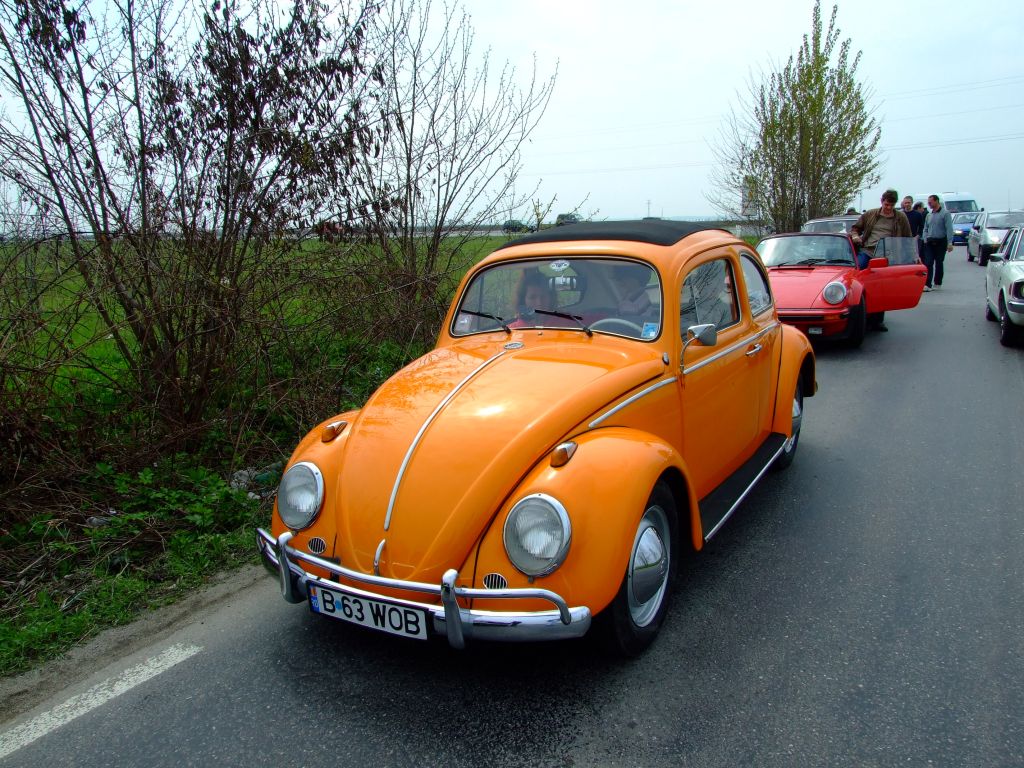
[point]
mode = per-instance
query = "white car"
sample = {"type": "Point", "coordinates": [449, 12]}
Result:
{"type": "Point", "coordinates": [988, 232]}
{"type": "Point", "coordinates": [1004, 288]}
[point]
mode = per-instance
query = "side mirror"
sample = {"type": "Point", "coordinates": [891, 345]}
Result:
{"type": "Point", "coordinates": [706, 334]}
{"type": "Point", "coordinates": [878, 263]}
{"type": "Point", "coordinates": [1000, 256]}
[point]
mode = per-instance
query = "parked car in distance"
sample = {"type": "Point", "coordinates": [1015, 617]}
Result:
{"type": "Point", "coordinates": [567, 218]}
{"type": "Point", "coordinates": [599, 402]}
{"type": "Point", "coordinates": [833, 224]}
{"type": "Point", "coordinates": [988, 232]}
{"type": "Point", "coordinates": [1004, 288]}
{"type": "Point", "coordinates": [514, 226]}
{"type": "Point", "coordinates": [819, 288]}
{"type": "Point", "coordinates": [962, 223]}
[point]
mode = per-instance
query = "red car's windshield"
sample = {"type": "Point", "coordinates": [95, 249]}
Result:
{"type": "Point", "coordinates": [805, 250]}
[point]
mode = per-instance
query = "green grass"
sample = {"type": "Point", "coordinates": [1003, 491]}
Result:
{"type": "Point", "coordinates": [175, 526]}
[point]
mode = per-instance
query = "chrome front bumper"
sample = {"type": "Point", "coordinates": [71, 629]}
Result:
{"type": "Point", "coordinates": [448, 618]}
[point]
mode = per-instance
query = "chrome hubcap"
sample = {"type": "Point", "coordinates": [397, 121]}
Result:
{"type": "Point", "coordinates": [648, 567]}
{"type": "Point", "coordinates": [798, 416]}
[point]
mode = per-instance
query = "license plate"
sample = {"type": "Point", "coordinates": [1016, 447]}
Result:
{"type": "Point", "coordinates": [375, 614]}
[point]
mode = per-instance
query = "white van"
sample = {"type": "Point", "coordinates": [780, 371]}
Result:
{"type": "Point", "coordinates": [954, 202]}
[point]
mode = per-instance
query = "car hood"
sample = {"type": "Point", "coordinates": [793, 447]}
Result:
{"type": "Point", "coordinates": [800, 288]}
{"type": "Point", "coordinates": [441, 444]}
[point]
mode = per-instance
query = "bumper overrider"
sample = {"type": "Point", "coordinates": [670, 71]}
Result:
{"type": "Point", "coordinates": [448, 619]}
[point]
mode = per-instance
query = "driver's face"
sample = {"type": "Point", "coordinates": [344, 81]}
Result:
{"type": "Point", "coordinates": [887, 206]}
{"type": "Point", "coordinates": [535, 297]}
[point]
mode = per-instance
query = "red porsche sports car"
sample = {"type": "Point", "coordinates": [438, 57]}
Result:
{"type": "Point", "coordinates": [819, 288]}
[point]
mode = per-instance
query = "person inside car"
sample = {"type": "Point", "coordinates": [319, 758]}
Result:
{"type": "Point", "coordinates": [631, 285]}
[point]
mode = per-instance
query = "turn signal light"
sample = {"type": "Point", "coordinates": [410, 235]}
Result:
{"type": "Point", "coordinates": [332, 430]}
{"type": "Point", "coordinates": [561, 455]}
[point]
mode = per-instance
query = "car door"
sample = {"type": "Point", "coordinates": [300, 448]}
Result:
{"type": "Point", "coordinates": [719, 386]}
{"type": "Point", "coordinates": [995, 270]}
{"type": "Point", "coordinates": [974, 235]}
{"type": "Point", "coordinates": [899, 284]}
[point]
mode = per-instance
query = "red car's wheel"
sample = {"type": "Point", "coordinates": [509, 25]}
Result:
{"type": "Point", "coordinates": [857, 325]}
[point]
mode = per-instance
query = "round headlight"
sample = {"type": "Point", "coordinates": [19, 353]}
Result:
{"type": "Point", "coordinates": [537, 534]}
{"type": "Point", "coordinates": [300, 495]}
{"type": "Point", "coordinates": [834, 293]}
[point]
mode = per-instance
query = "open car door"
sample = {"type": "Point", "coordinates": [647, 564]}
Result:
{"type": "Point", "coordinates": [899, 284]}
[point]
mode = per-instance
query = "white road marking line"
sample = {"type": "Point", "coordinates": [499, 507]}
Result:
{"type": "Point", "coordinates": [26, 733]}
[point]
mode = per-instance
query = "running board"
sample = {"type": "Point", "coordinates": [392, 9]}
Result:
{"type": "Point", "coordinates": [717, 506]}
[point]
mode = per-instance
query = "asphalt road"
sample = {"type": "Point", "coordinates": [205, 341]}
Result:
{"type": "Point", "coordinates": [863, 608]}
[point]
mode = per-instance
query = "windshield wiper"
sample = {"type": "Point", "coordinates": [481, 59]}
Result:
{"type": "Point", "coordinates": [583, 326]}
{"type": "Point", "coordinates": [504, 325]}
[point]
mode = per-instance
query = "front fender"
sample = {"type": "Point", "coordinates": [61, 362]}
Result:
{"type": "Point", "coordinates": [604, 488]}
{"type": "Point", "coordinates": [795, 363]}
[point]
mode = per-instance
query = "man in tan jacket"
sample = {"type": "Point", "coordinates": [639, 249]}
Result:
{"type": "Point", "coordinates": [873, 225]}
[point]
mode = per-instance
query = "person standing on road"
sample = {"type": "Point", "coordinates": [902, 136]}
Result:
{"type": "Point", "coordinates": [916, 218]}
{"type": "Point", "coordinates": [873, 225]}
{"type": "Point", "coordinates": [938, 240]}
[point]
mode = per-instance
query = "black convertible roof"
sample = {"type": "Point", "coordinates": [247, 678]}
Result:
{"type": "Point", "coordinates": [657, 232]}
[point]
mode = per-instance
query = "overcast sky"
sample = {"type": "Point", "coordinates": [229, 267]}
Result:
{"type": "Point", "coordinates": [643, 87]}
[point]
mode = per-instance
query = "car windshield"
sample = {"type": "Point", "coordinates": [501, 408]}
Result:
{"type": "Point", "coordinates": [965, 218]}
{"type": "Point", "coordinates": [828, 225]}
{"type": "Point", "coordinates": [590, 294]}
{"type": "Point", "coordinates": [1004, 220]}
{"type": "Point", "coordinates": [800, 250]}
{"type": "Point", "coordinates": [956, 206]}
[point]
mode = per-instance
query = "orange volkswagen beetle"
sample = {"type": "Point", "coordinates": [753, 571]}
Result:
{"type": "Point", "coordinates": [600, 400]}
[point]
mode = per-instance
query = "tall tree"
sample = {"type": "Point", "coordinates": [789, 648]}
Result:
{"type": "Point", "coordinates": [174, 161]}
{"type": "Point", "coordinates": [806, 141]}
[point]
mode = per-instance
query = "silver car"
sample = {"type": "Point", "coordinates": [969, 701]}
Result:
{"type": "Point", "coordinates": [830, 225]}
{"type": "Point", "coordinates": [1004, 288]}
{"type": "Point", "coordinates": [988, 232]}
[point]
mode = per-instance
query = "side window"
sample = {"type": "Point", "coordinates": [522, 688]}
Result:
{"type": "Point", "coordinates": [709, 296]}
{"type": "Point", "coordinates": [1010, 242]}
{"type": "Point", "coordinates": [758, 293]}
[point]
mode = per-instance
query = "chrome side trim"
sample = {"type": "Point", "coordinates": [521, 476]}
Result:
{"type": "Point", "coordinates": [730, 349]}
{"type": "Point", "coordinates": [629, 401]}
{"type": "Point", "coordinates": [376, 557]}
{"type": "Point", "coordinates": [419, 435]}
{"type": "Point", "coordinates": [743, 495]}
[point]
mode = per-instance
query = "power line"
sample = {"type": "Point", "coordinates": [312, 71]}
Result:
{"type": "Point", "coordinates": [956, 142]}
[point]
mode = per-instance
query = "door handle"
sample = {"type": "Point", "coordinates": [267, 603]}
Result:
{"type": "Point", "coordinates": [753, 350]}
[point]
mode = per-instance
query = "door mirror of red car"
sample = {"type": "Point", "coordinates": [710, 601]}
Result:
{"type": "Point", "coordinates": [878, 263]}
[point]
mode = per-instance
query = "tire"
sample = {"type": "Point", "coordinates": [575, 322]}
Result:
{"type": "Point", "coordinates": [785, 458]}
{"type": "Point", "coordinates": [982, 256]}
{"type": "Point", "coordinates": [989, 314]}
{"type": "Point", "coordinates": [1009, 334]}
{"type": "Point", "coordinates": [970, 256]}
{"type": "Point", "coordinates": [634, 617]}
{"type": "Point", "coordinates": [857, 325]}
